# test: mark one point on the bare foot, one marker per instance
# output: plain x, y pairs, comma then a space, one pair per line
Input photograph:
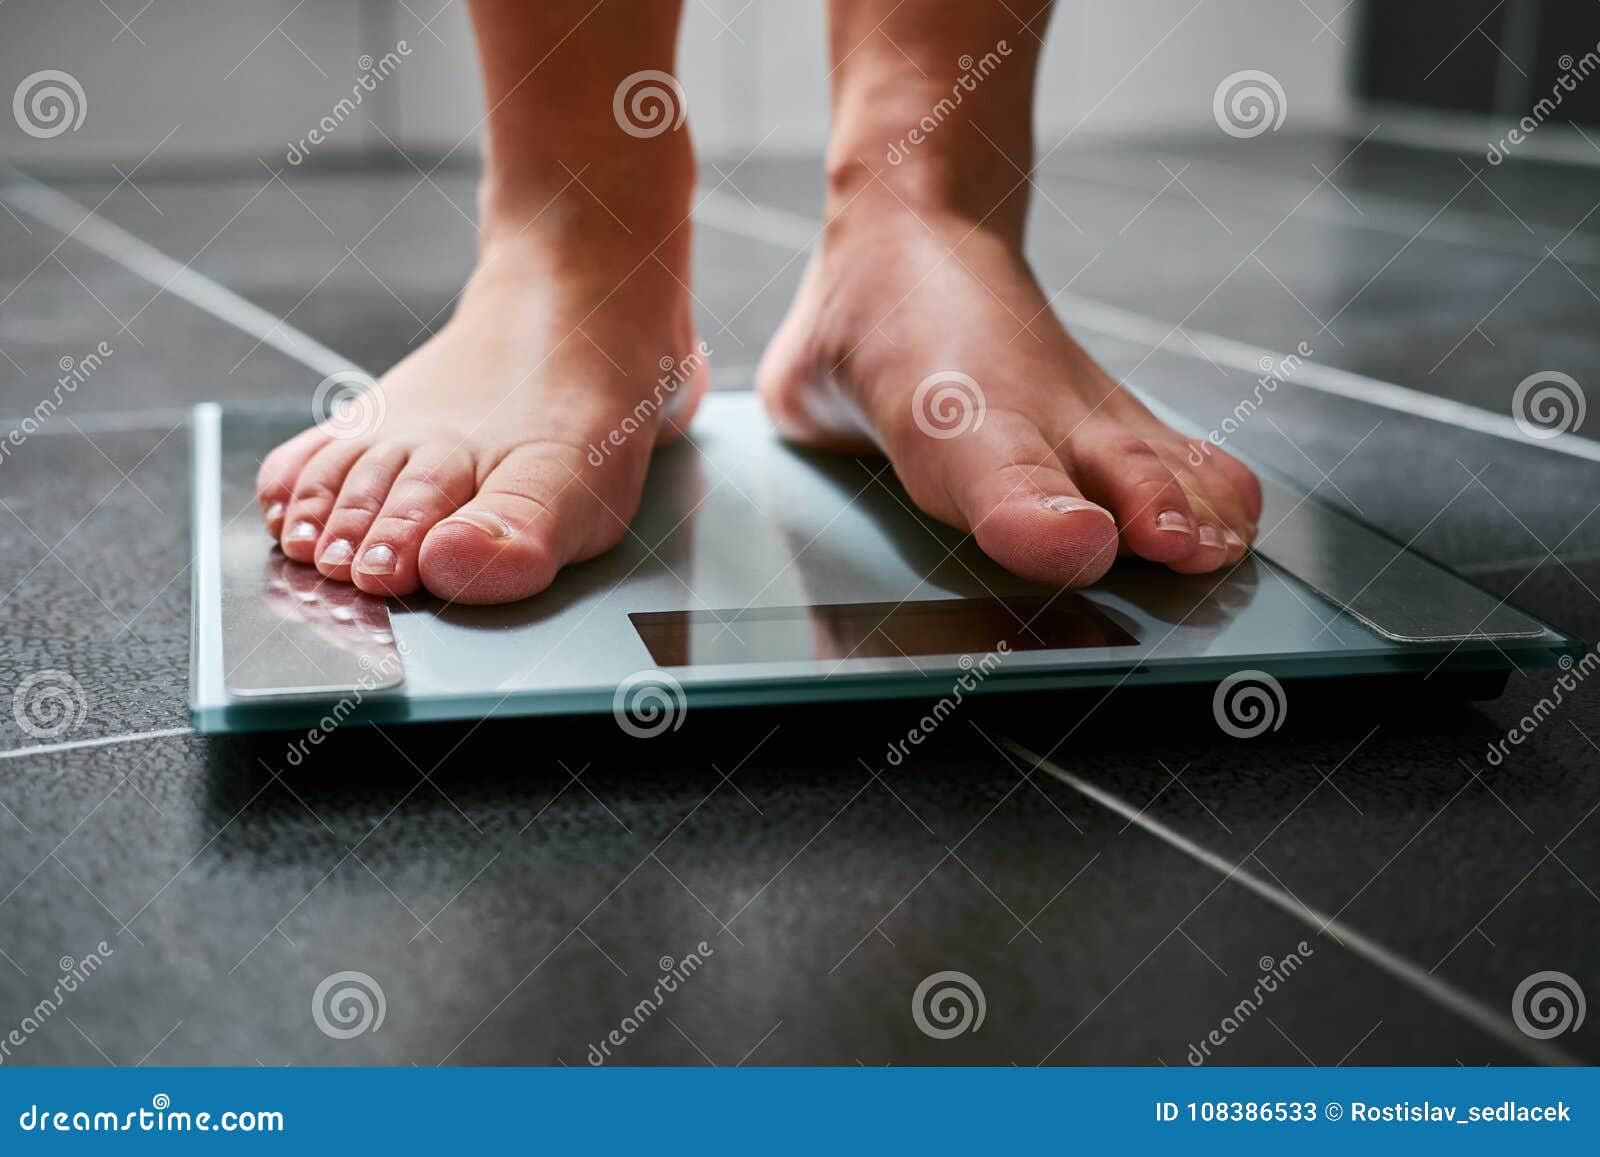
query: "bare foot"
923, 335
511, 444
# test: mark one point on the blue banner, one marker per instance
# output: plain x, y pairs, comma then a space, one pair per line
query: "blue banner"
708, 1112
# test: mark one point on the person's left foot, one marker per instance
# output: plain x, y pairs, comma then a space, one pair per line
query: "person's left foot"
925, 336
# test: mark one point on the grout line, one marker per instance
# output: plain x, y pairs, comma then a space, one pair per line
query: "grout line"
1452, 998
104, 741
87, 227
781, 227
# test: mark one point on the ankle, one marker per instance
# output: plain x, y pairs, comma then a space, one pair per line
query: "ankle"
589, 189
876, 168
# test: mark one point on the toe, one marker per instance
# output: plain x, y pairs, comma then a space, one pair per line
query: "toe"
1217, 543
1124, 472
1003, 482
433, 483
542, 508
315, 492
276, 478
1246, 486
361, 497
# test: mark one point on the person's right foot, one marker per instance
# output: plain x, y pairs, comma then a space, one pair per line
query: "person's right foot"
516, 440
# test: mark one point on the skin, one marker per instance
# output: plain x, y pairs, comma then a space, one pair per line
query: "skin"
467, 472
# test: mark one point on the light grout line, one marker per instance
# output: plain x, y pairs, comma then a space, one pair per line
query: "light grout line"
103, 741
781, 227
1467, 1007
87, 227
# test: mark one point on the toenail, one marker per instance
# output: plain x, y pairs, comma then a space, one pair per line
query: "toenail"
1232, 538
274, 516
1066, 504
303, 532
1175, 520
1211, 536
339, 551
485, 520
377, 560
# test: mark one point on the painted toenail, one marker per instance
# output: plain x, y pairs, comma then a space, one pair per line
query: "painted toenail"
1066, 504
274, 516
1175, 520
1232, 538
1211, 536
377, 560
303, 532
339, 551
485, 520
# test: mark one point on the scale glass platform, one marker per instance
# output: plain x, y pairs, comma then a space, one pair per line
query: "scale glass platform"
759, 573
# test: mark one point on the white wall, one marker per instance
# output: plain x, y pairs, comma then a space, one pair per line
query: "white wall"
243, 78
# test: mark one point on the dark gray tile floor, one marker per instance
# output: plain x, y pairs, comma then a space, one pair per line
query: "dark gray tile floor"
513, 886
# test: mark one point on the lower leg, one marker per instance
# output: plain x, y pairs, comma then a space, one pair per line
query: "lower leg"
921, 331
472, 469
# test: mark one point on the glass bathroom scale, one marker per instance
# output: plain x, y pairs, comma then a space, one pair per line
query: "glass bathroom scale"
760, 573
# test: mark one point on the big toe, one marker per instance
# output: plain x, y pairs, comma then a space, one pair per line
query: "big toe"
543, 507
1006, 485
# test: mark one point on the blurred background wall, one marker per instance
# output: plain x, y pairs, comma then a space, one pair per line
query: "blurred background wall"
238, 79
